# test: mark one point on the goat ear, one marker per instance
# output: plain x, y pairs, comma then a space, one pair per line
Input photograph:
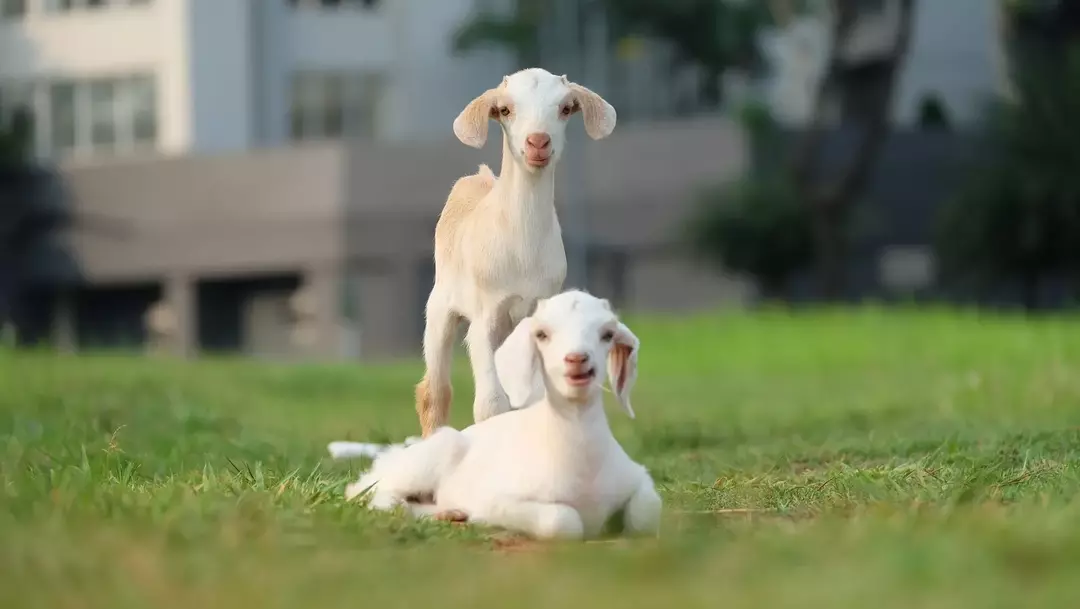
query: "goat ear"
471, 126
599, 116
622, 366
517, 363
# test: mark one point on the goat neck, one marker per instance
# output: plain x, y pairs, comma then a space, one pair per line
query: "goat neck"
587, 417
528, 197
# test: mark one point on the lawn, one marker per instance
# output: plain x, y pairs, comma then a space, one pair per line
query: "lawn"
826, 459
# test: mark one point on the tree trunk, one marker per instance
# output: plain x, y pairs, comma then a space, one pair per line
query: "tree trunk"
830, 247
832, 196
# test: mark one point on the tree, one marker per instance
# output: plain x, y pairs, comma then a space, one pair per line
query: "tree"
832, 192
1019, 217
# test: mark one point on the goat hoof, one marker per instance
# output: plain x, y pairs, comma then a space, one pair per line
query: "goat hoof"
456, 516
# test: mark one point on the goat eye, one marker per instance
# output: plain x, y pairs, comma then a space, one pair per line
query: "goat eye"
504, 111
607, 336
541, 335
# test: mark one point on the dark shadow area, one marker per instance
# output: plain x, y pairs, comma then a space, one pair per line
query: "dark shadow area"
222, 303
113, 317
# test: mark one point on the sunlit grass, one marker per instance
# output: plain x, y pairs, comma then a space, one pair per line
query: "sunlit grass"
880, 458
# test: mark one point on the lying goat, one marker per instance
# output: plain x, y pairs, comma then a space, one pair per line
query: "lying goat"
550, 470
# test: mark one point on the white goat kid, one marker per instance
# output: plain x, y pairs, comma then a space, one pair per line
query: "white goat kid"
552, 470
498, 244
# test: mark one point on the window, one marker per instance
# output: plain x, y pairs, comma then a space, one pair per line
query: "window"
333, 104
63, 6
103, 111
142, 104
100, 115
104, 114
62, 116
334, 4
12, 9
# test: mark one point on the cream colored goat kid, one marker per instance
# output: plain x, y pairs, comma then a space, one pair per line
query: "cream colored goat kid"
498, 244
552, 470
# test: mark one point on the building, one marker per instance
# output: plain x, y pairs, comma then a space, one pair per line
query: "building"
323, 250
213, 76
956, 54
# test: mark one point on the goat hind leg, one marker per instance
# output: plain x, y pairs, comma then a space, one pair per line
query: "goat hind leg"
434, 392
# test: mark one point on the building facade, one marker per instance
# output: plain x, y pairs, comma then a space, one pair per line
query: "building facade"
121, 77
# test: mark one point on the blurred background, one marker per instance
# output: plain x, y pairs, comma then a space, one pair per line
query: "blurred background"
263, 177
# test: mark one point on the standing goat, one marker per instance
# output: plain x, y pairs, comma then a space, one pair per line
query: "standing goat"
552, 470
498, 244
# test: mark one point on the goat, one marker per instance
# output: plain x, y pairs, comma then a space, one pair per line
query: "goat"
552, 470
498, 244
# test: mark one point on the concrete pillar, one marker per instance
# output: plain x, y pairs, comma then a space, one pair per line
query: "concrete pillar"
317, 310
63, 326
180, 298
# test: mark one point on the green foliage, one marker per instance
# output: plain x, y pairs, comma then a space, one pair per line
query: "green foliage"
518, 32
801, 464
932, 113
755, 226
713, 34
1020, 214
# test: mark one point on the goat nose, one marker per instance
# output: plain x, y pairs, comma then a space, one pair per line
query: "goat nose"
538, 140
577, 358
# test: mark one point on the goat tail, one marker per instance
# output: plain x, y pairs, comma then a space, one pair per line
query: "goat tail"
356, 450
399, 471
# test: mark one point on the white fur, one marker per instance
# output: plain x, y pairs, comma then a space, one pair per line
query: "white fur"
553, 470
498, 245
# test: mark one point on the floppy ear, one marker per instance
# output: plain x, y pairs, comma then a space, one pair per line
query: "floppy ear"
517, 363
622, 366
599, 116
471, 126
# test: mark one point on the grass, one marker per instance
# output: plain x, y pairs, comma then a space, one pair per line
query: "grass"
883, 458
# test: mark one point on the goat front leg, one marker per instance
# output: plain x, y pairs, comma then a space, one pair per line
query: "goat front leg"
484, 335
536, 519
642, 514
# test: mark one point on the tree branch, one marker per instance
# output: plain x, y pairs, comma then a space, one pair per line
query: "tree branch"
804, 163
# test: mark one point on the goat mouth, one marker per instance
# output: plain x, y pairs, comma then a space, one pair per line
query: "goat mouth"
581, 379
537, 161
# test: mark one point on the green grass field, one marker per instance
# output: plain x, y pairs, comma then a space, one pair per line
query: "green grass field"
861, 459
